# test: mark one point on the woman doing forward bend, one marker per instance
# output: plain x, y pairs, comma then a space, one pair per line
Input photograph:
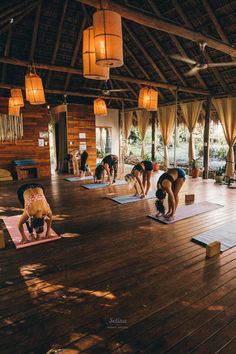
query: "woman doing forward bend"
169, 184
82, 165
144, 169
108, 164
36, 211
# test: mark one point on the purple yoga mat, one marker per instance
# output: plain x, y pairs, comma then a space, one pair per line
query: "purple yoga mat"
11, 223
187, 211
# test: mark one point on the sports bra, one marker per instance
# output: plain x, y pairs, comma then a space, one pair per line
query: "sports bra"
34, 198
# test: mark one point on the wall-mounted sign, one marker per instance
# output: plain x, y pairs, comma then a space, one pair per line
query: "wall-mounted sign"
41, 142
82, 135
82, 146
43, 135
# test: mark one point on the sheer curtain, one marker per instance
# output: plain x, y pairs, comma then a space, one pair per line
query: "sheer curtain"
166, 116
143, 118
127, 127
226, 109
191, 113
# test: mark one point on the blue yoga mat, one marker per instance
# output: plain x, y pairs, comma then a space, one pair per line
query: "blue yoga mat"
225, 234
76, 179
102, 185
187, 211
124, 199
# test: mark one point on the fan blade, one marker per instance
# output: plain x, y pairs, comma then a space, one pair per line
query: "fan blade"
90, 89
215, 65
118, 90
184, 59
193, 71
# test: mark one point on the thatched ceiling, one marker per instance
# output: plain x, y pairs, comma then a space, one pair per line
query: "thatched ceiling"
49, 32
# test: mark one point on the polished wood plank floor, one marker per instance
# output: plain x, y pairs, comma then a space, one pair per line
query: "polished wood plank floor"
126, 284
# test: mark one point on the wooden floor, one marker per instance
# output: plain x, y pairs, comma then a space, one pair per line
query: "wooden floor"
126, 284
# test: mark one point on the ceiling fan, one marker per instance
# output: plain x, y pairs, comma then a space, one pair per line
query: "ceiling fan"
106, 91
202, 63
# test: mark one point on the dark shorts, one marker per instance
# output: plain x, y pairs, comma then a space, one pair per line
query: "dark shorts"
23, 188
181, 173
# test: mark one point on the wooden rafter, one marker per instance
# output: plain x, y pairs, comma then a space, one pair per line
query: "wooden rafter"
72, 93
207, 56
162, 52
6, 53
54, 55
215, 20
75, 52
177, 43
163, 24
145, 53
12, 11
76, 71
22, 14
35, 31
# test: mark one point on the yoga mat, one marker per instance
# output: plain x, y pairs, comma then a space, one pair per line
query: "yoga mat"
11, 223
102, 185
124, 199
76, 179
225, 234
187, 211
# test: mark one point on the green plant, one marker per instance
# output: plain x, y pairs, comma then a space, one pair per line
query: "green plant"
219, 171
194, 163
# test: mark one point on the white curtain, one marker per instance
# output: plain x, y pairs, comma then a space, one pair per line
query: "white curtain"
127, 127
143, 118
226, 109
191, 113
166, 116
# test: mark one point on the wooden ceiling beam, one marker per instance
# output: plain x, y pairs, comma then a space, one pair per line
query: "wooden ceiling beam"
162, 52
146, 54
207, 56
163, 24
54, 55
72, 93
146, 75
22, 14
35, 31
177, 44
75, 71
11, 11
76, 51
215, 21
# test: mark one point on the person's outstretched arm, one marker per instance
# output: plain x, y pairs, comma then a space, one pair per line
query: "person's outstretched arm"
106, 166
137, 175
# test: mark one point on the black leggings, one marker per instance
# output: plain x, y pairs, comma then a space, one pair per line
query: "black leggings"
20, 194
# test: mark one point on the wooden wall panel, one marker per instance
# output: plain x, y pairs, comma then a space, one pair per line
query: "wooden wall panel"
35, 120
81, 119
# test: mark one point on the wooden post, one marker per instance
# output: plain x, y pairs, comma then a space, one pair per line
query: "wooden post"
206, 139
2, 241
154, 114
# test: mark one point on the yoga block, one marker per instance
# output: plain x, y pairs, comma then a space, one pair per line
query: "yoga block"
213, 249
189, 198
2, 241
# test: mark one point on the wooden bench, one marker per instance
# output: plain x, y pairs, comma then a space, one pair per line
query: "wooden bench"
27, 172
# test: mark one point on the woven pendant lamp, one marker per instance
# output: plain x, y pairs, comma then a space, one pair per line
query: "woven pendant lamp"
90, 69
12, 109
148, 99
17, 97
99, 107
108, 38
34, 89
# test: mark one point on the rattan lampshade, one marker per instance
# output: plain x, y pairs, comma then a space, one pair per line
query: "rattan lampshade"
17, 97
34, 89
99, 107
13, 110
90, 69
148, 99
108, 38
